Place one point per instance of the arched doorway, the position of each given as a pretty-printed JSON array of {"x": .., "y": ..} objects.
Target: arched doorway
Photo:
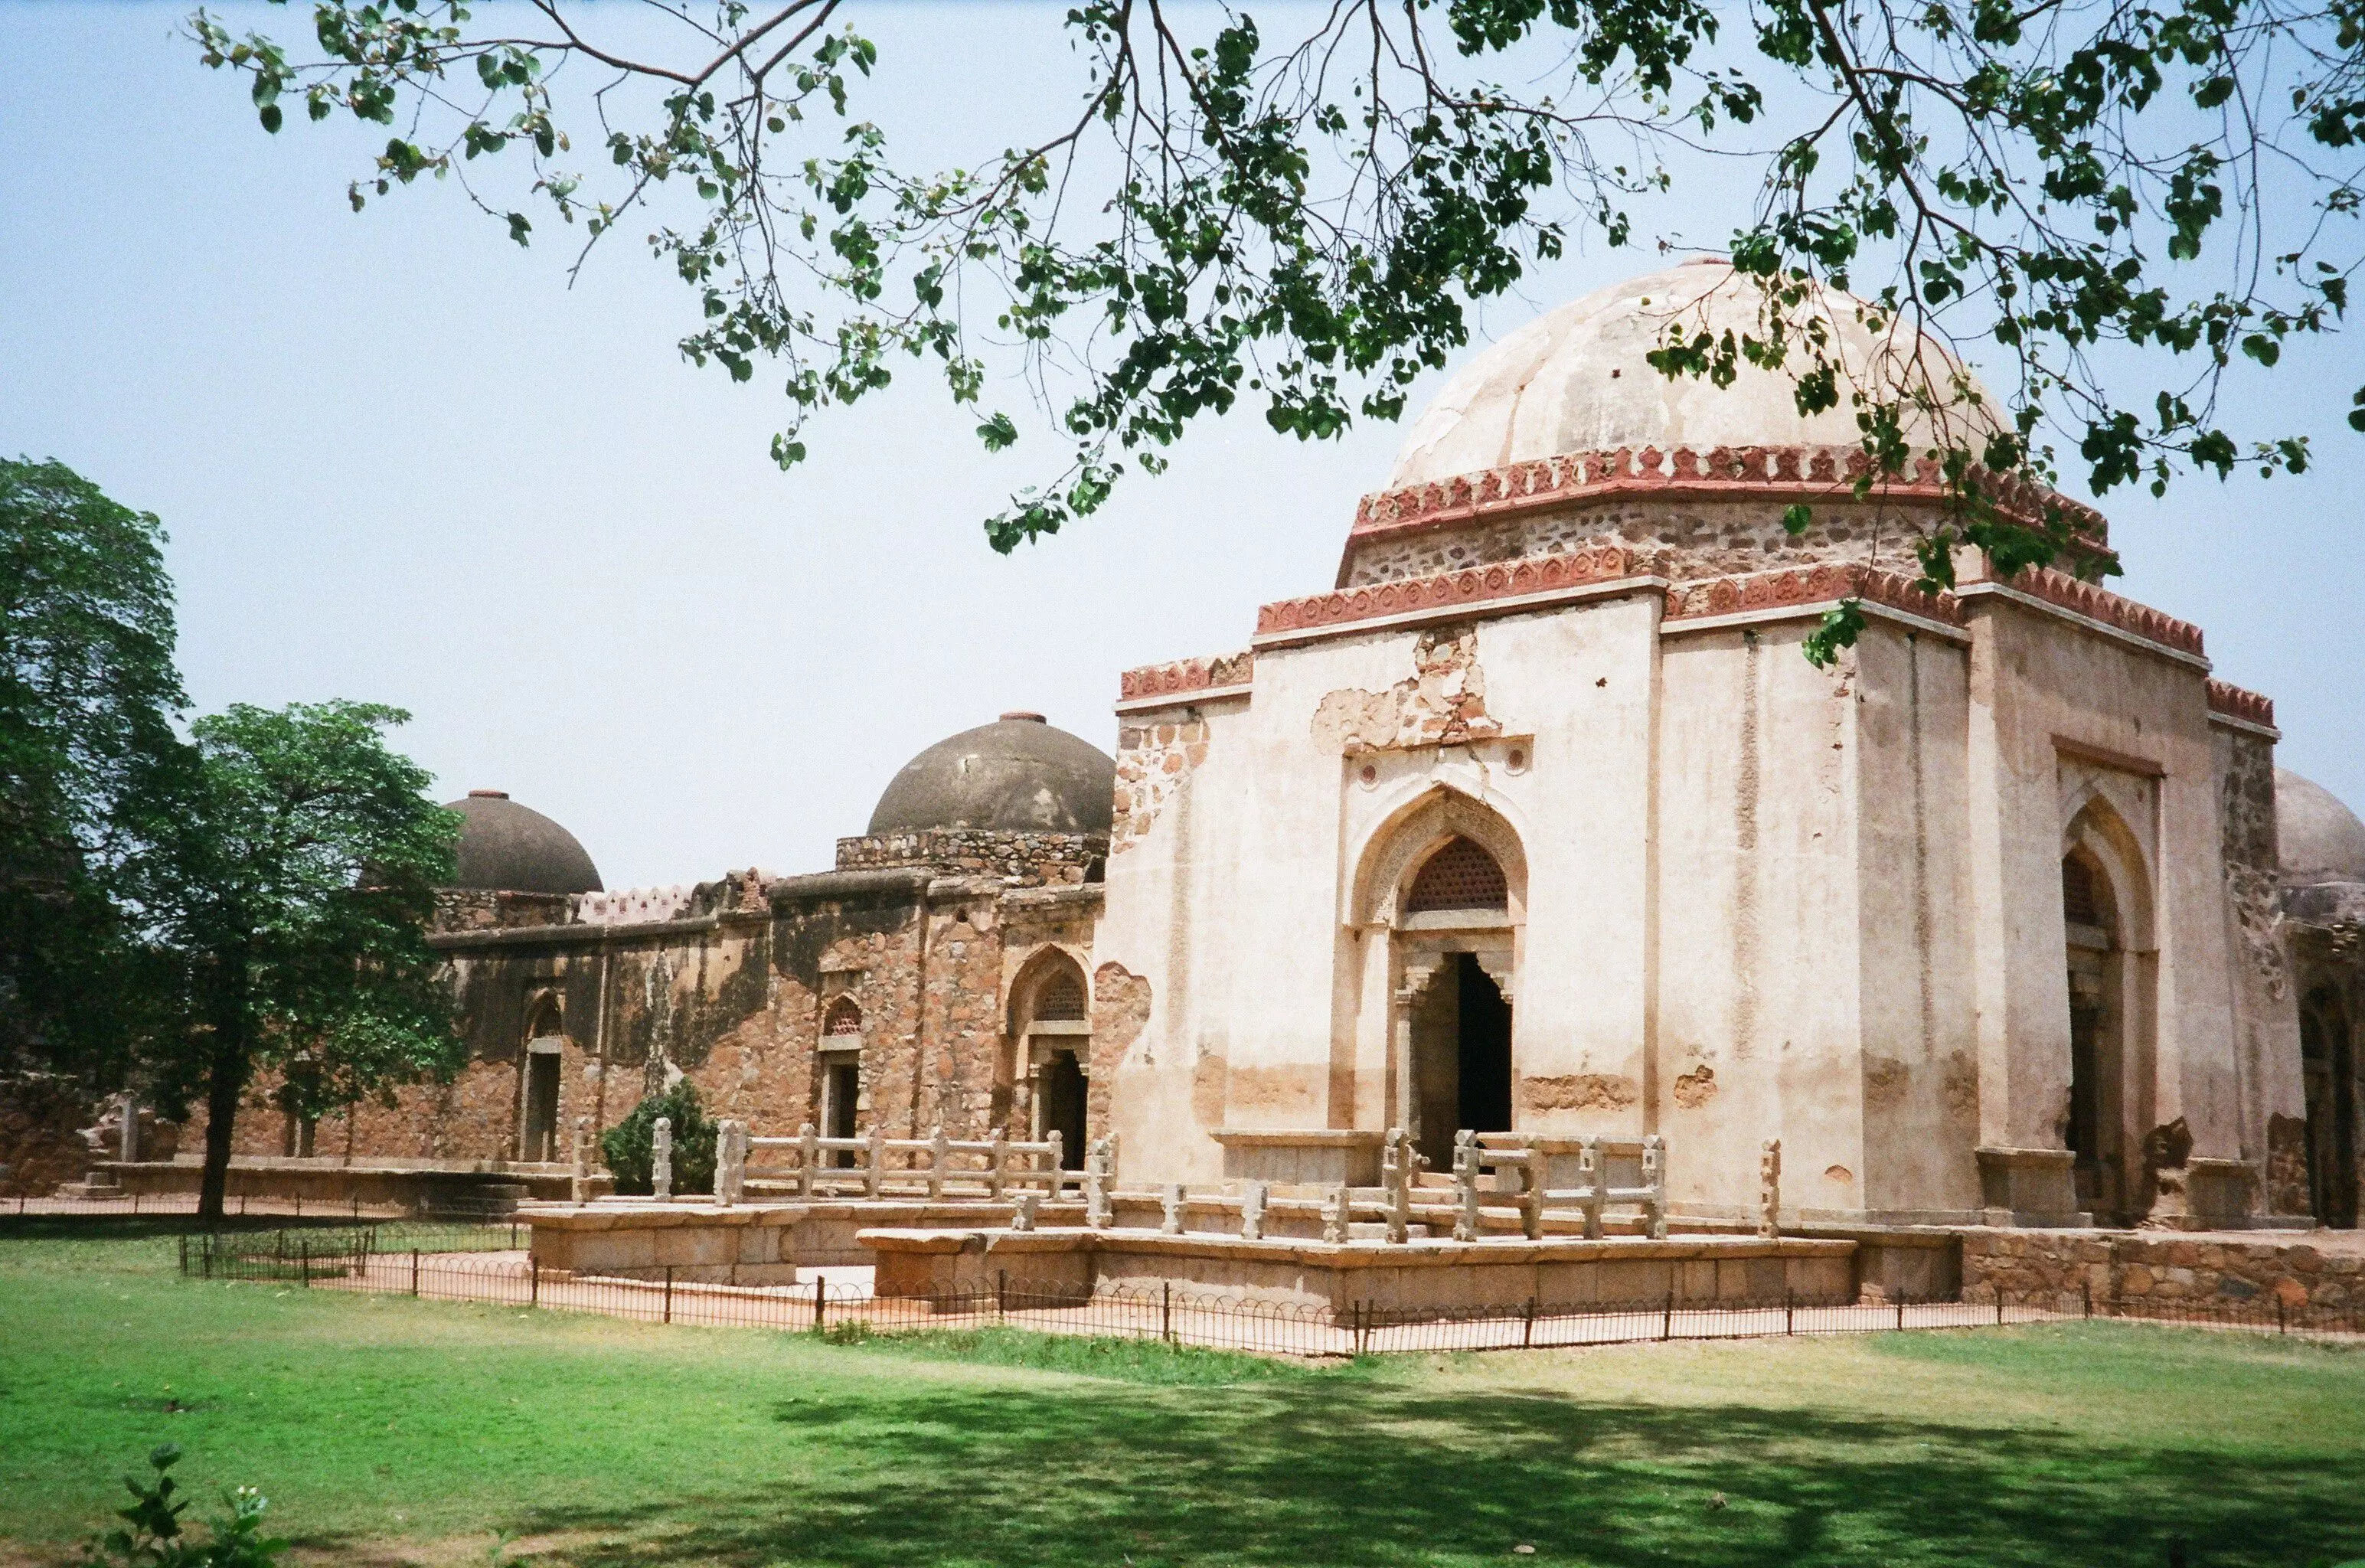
[
  {"x": 1444, "y": 885},
  {"x": 1051, "y": 1061},
  {"x": 2327, "y": 1061},
  {"x": 2108, "y": 954},
  {"x": 539, "y": 1093}
]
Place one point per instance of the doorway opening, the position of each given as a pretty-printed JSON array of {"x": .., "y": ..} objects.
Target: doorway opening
[
  {"x": 2330, "y": 1070},
  {"x": 1062, "y": 1104},
  {"x": 541, "y": 1141},
  {"x": 841, "y": 1088},
  {"x": 1462, "y": 1057},
  {"x": 1484, "y": 1049},
  {"x": 2090, "y": 925}
]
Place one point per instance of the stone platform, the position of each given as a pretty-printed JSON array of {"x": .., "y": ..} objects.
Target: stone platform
[
  {"x": 1417, "y": 1276},
  {"x": 747, "y": 1244}
]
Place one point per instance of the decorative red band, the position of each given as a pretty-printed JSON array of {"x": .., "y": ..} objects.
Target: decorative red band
[
  {"x": 1725, "y": 471},
  {"x": 1809, "y": 585},
  {"x": 1185, "y": 676},
  {"x": 1474, "y": 585},
  {"x": 2235, "y": 703},
  {"x": 2101, "y": 604}
]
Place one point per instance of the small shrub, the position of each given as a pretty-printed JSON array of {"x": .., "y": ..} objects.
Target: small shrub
[
  {"x": 152, "y": 1536},
  {"x": 627, "y": 1145}
]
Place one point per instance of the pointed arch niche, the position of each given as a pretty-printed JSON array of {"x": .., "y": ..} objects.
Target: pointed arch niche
[
  {"x": 1041, "y": 1083},
  {"x": 2113, "y": 966},
  {"x": 1444, "y": 885}
]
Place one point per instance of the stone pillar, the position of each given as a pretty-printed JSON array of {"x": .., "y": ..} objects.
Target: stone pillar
[{"x": 661, "y": 1159}]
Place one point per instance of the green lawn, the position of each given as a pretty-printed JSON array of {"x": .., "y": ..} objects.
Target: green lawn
[{"x": 386, "y": 1429}]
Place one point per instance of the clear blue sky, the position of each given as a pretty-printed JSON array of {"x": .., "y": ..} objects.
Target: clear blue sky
[{"x": 400, "y": 461}]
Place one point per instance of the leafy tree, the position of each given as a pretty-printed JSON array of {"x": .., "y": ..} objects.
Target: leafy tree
[
  {"x": 87, "y": 695},
  {"x": 1307, "y": 219},
  {"x": 290, "y": 880},
  {"x": 629, "y": 1146}
]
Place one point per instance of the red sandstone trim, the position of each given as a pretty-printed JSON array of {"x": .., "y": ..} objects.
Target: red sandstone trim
[
  {"x": 1185, "y": 676},
  {"x": 2235, "y": 703},
  {"x": 1723, "y": 473},
  {"x": 1473, "y": 586},
  {"x": 1809, "y": 585},
  {"x": 2112, "y": 610}
]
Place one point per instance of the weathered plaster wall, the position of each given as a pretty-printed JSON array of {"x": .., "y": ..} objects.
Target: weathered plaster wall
[{"x": 2061, "y": 715}]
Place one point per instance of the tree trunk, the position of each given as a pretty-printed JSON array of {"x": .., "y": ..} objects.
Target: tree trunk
[{"x": 225, "y": 1082}]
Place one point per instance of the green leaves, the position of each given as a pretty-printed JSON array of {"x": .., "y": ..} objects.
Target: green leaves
[{"x": 1305, "y": 220}]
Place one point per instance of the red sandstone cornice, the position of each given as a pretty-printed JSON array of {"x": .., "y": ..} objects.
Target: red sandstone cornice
[
  {"x": 1595, "y": 564},
  {"x": 1724, "y": 472},
  {"x": 2112, "y": 610},
  {"x": 1185, "y": 676},
  {"x": 2235, "y": 703},
  {"x": 1800, "y": 585}
]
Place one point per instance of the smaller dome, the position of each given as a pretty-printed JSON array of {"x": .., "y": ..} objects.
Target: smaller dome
[
  {"x": 508, "y": 848},
  {"x": 2321, "y": 839},
  {"x": 1016, "y": 775}
]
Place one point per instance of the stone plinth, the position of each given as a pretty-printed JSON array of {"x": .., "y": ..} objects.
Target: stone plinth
[
  {"x": 747, "y": 1244},
  {"x": 2029, "y": 1186},
  {"x": 1419, "y": 1276},
  {"x": 1311, "y": 1156}
]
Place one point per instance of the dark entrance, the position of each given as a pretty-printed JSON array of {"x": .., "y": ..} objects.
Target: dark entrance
[
  {"x": 541, "y": 1107},
  {"x": 2330, "y": 1078},
  {"x": 1064, "y": 1106},
  {"x": 841, "y": 1087},
  {"x": 1483, "y": 1099}
]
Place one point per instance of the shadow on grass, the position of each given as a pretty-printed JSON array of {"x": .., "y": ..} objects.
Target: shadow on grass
[{"x": 1356, "y": 1474}]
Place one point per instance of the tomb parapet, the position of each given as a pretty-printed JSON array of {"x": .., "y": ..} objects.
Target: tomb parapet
[{"x": 1015, "y": 858}]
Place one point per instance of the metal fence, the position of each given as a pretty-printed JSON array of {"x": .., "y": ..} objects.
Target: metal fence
[{"x": 359, "y": 1261}]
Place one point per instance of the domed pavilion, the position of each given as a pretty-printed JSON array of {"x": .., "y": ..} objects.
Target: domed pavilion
[{"x": 1541, "y": 821}]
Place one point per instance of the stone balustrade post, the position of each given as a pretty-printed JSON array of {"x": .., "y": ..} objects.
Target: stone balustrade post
[
  {"x": 661, "y": 1159},
  {"x": 1396, "y": 1175},
  {"x": 1099, "y": 1161},
  {"x": 1023, "y": 1215},
  {"x": 730, "y": 1161},
  {"x": 875, "y": 1172},
  {"x": 1253, "y": 1211},
  {"x": 1655, "y": 1179},
  {"x": 1335, "y": 1209},
  {"x": 1170, "y": 1223},
  {"x": 1058, "y": 1164},
  {"x": 808, "y": 1160},
  {"x": 1465, "y": 1185},
  {"x": 938, "y": 1154},
  {"x": 1593, "y": 1183},
  {"x": 578, "y": 1182},
  {"x": 997, "y": 1176},
  {"x": 1770, "y": 1189}
]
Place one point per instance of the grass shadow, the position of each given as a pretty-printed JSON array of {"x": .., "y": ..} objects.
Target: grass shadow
[{"x": 1363, "y": 1473}]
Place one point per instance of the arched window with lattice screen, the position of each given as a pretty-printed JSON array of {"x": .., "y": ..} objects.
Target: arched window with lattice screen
[
  {"x": 1459, "y": 875},
  {"x": 843, "y": 1019},
  {"x": 1062, "y": 999}
]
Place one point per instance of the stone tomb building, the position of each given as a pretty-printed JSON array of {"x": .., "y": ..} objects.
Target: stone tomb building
[{"x": 1539, "y": 819}]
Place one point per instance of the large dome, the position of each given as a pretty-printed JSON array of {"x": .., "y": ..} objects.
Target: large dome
[
  {"x": 1574, "y": 380},
  {"x": 1016, "y": 775},
  {"x": 506, "y": 848},
  {"x": 2320, "y": 839}
]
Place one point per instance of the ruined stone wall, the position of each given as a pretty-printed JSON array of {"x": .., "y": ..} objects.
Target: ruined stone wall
[
  {"x": 2205, "y": 1271},
  {"x": 476, "y": 908},
  {"x": 42, "y": 1146},
  {"x": 2266, "y": 1007},
  {"x": 1701, "y": 539},
  {"x": 1020, "y": 860}
]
